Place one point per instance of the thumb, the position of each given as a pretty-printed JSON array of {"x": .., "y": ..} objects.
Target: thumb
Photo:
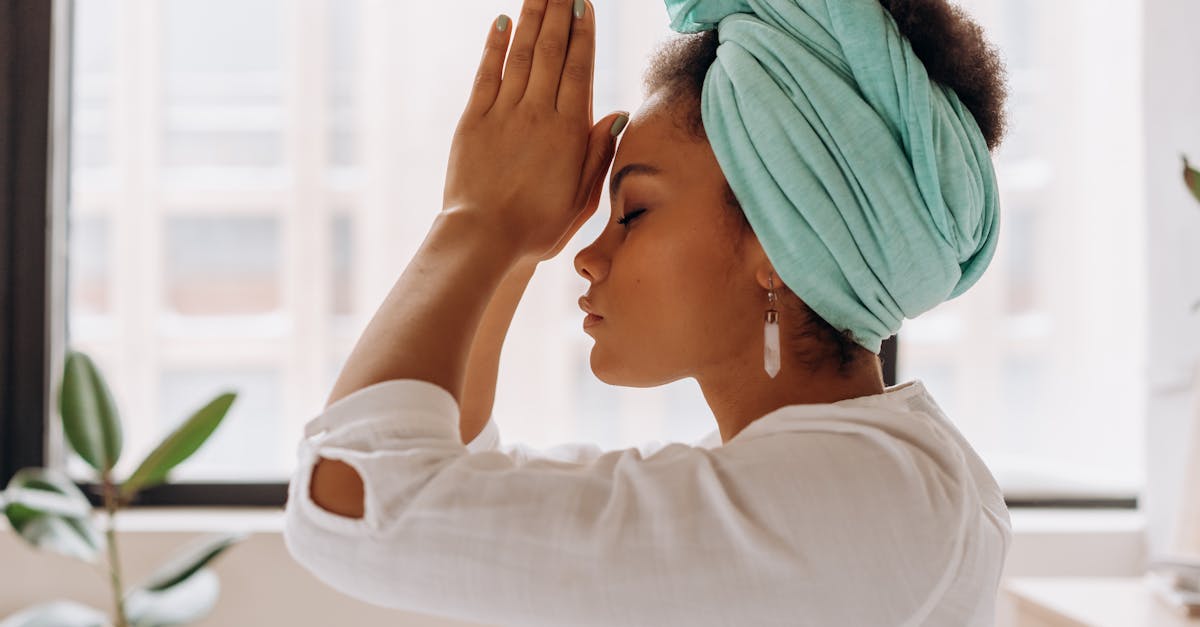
[{"x": 602, "y": 143}]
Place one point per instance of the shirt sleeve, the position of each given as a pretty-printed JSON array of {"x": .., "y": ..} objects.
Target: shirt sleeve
[
  {"x": 489, "y": 439},
  {"x": 658, "y": 535}
]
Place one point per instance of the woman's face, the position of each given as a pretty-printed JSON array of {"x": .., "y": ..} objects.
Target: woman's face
[{"x": 676, "y": 299}]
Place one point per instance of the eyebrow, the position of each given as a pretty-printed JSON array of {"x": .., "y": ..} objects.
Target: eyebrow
[{"x": 614, "y": 185}]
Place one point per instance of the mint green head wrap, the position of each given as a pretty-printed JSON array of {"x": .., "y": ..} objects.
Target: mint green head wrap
[{"x": 869, "y": 186}]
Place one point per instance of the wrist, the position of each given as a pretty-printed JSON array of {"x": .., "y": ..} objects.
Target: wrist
[{"x": 471, "y": 229}]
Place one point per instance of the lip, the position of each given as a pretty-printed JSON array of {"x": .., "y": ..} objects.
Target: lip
[
  {"x": 586, "y": 306},
  {"x": 592, "y": 318}
]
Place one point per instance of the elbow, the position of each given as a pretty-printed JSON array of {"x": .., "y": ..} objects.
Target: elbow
[{"x": 336, "y": 487}]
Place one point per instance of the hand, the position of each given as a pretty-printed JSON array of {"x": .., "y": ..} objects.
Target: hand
[{"x": 525, "y": 155}]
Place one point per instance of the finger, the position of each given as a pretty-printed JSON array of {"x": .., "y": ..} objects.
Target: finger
[
  {"x": 575, "y": 90},
  {"x": 487, "y": 78},
  {"x": 520, "y": 56},
  {"x": 595, "y": 167},
  {"x": 549, "y": 53},
  {"x": 598, "y": 186},
  {"x": 601, "y": 148},
  {"x": 592, "y": 76}
]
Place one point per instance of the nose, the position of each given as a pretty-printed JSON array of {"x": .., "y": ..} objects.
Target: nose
[{"x": 591, "y": 263}]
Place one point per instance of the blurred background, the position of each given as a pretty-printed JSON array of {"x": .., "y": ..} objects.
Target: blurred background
[{"x": 249, "y": 177}]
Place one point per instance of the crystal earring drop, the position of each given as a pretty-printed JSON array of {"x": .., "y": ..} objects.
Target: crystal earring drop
[{"x": 771, "y": 334}]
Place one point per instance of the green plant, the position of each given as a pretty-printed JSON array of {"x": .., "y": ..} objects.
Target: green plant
[
  {"x": 1191, "y": 178},
  {"x": 47, "y": 510}
]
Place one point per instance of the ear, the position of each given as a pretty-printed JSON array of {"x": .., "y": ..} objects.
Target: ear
[
  {"x": 766, "y": 276},
  {"x": 755, "y": 257}
]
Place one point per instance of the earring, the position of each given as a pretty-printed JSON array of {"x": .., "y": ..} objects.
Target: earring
[{"x": 771, "y": 334}]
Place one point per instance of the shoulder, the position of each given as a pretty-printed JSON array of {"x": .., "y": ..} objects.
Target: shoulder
[
  {"x": 876, "y": 475},
  {"x": 857, "y": 501}
]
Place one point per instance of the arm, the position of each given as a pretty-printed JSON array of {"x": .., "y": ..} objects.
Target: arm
[
  {"x": 483, "y": 365},
  {"x": 524, "y": 174},
  {"x": 790, "y": 520},
  {"x": 423, "y": 330},
  {"x": 426, "y": 325}
]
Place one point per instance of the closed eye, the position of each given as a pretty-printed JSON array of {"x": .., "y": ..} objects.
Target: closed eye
[{"x": 630, "y": 216}]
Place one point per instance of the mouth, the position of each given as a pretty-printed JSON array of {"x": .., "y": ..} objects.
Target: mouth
[
  {"x": 586, "y": 306},
  {"x": 592, "y": 318}
]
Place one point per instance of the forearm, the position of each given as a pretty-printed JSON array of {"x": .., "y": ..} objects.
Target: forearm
[
  {"x": 483, "y": 364},
  {"x": 423, "y": 330},
  {"x": 427, "y": 323}
]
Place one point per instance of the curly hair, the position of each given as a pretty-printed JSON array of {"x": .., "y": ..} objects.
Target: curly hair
[{"x": 955, "y": 54}]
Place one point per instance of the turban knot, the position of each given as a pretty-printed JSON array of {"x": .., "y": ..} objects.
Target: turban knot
[{"x": 869, "y": 186}]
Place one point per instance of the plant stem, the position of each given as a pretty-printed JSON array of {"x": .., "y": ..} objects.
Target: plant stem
[{"x": 114, "y": 562}]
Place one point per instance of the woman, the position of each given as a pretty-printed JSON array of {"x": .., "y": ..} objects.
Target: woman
[{"x": 795, "y": 185}]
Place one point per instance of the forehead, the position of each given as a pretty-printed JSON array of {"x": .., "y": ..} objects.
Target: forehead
[
  {"x": 651, "y": 136},
  {"x": 654, "y": 136}
]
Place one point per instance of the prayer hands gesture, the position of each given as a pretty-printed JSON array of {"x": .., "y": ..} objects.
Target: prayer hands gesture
[{"x": 525, "y": 155}]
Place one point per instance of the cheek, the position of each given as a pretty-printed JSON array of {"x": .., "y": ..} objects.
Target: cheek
[{"x": 681, "y": 281}]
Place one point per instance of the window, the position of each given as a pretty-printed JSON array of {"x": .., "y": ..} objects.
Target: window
[
  {"x": 243, "y": 192},
  {"x": 1041, "y": 364}
]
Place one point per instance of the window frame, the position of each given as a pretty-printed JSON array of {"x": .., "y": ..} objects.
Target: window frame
[
  {"x": 34, "y": 67},
  {"x": 25, "y": 239}
]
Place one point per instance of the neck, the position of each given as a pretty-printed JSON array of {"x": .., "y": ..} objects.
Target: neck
[{"x": 742, "y": 392}]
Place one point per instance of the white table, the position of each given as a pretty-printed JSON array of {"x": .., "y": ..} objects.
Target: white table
[{"x": 1088, "y": 602}]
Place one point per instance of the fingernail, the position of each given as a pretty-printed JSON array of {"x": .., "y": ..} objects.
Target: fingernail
[
  {"x": 578, "y": 8},
  {"x": 619, "y": 124},
  {"x": 502, "y": 23}
]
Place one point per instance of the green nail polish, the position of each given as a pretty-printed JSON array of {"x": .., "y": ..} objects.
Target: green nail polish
[
  {"x": 619, "y": 124},
  {"x": 579, "y": 8},
  {"x": 502, "y": 23}
]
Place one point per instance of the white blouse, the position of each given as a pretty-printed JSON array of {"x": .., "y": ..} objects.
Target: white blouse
[{"x": 869, "y": 511}]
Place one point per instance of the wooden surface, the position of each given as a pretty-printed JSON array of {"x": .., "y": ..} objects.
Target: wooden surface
[{"x": 1090, "y": 602}]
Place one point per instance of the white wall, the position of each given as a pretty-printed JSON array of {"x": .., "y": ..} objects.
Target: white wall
[{"x": 1171, "y": 101}]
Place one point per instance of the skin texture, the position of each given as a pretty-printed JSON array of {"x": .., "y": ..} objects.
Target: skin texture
[{"x": 676, "y": 298}]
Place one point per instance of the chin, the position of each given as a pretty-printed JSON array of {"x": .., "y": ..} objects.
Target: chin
[
  {"x": 609, "y": 370},
  {"x": 619, "y": 374}
]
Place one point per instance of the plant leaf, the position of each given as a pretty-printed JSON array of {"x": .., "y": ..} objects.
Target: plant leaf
[
  {"x": 49, "y": 512},
  {"x": 49, "y": 481},
  {"x": 188, "y": 601},
  {"x": 189, "y": 560},
  {"x": 46, "y": 502},
  {"x": 57, "y": 614},
  {"x": 178, "y": 446},
  {"x": 1192, "y": 178},
  {"x": 89, "y": 413}
]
